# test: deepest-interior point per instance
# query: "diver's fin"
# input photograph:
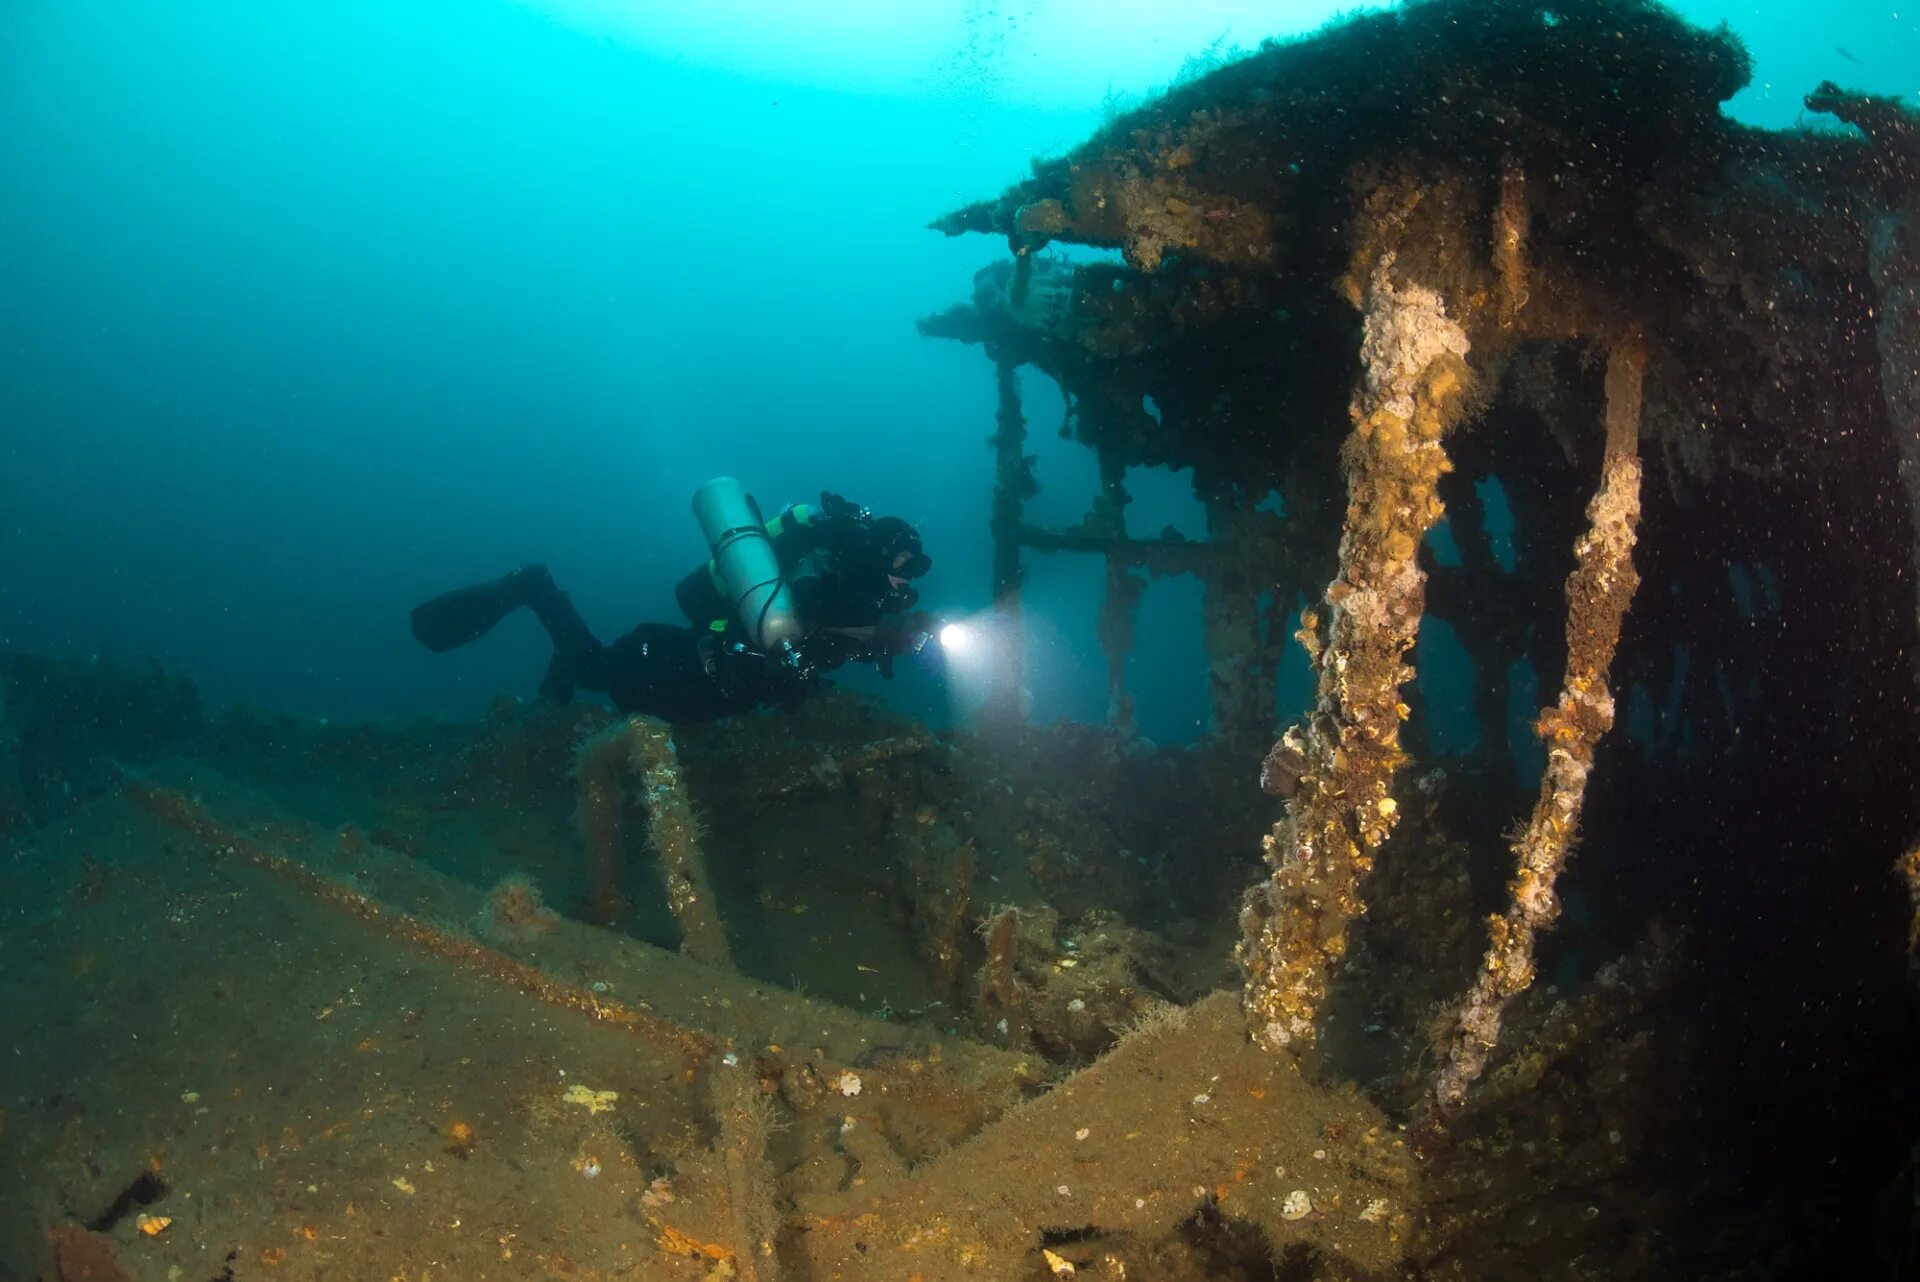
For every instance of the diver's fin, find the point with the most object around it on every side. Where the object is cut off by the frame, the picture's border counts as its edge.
(454, 618)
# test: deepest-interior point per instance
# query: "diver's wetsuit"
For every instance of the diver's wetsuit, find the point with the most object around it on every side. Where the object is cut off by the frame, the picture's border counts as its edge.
(675, 673)
(697, 673)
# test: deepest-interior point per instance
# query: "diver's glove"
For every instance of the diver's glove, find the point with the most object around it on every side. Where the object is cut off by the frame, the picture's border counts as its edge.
(839, 510)
(909, 634)
(931, 657)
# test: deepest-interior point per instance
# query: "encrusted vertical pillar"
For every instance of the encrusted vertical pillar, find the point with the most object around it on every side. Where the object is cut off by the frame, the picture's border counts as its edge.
(1013, 484)
(1599, 591)
(1510, 219)
(1338, 769)
(642, 749)
(1000, 1014)
(937, 875)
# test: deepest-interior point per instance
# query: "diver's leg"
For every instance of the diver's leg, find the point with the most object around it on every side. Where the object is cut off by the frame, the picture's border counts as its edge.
(554, 609)
(575, 649)
(454, 618)
(465, 614)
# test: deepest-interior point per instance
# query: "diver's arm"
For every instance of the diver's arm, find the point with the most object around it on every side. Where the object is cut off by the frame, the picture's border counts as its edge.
(796, 531)
(804, 528)
(878, 643)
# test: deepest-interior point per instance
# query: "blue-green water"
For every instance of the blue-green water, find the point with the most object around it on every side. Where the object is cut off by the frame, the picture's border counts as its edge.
(314, 308)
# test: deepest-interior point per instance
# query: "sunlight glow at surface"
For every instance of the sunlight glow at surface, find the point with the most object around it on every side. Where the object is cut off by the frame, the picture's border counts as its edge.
(1081, 53)
(1070, 53)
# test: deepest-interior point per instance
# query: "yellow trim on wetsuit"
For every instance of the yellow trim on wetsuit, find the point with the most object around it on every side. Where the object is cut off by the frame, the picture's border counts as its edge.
(795, 517)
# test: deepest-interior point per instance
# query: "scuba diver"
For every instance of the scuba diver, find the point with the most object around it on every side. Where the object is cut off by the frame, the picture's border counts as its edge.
(778, 603)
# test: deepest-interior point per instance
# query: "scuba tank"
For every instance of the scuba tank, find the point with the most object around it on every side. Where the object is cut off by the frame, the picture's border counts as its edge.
(749, 570)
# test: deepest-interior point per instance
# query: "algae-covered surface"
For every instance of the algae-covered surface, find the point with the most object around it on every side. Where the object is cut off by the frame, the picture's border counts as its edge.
(266, 1044)
(309, 1097)
(255, 1041)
